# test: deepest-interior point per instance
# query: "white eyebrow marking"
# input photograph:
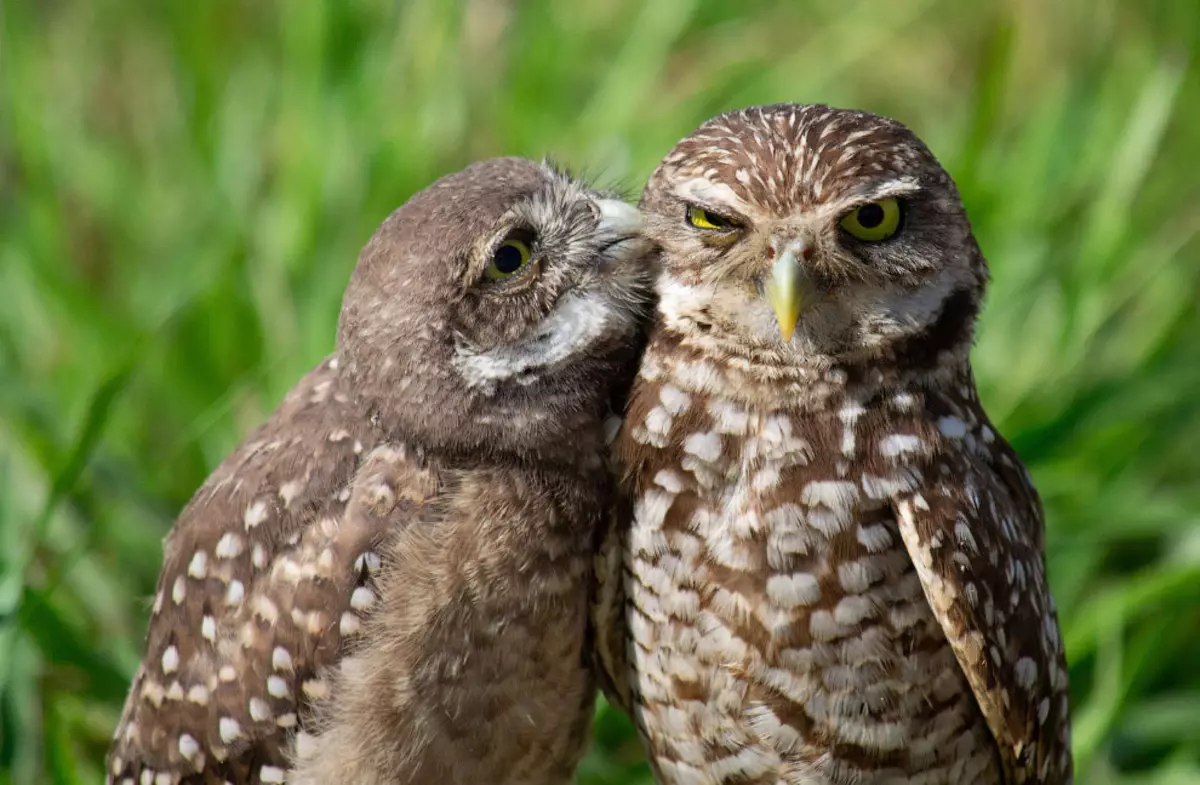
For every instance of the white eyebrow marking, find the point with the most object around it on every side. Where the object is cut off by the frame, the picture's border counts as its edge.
(888, 188)
(705, 191)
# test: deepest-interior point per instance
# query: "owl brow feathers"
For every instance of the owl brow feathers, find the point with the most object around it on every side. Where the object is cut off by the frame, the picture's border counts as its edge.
(715, 195)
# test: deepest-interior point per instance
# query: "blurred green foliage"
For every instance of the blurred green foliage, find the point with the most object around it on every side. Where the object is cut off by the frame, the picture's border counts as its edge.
(184, 188)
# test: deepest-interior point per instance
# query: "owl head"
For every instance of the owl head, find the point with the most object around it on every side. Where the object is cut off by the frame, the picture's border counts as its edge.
(816, 236)
(497, 310)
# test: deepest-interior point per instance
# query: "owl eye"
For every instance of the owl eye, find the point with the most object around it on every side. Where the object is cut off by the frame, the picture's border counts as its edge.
(703, 219)
(510, 258)
(873, 222)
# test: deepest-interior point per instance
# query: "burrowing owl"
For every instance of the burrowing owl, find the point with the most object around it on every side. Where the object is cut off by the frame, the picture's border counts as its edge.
(387, 583)
(835, 571)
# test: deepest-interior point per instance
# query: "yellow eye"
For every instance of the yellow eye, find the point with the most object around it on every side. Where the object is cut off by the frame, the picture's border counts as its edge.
(873, 222)
(703, 219)
(510, 258)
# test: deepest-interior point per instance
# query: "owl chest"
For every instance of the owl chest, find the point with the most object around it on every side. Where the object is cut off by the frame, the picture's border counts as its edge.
(776, 607)
(778, 560)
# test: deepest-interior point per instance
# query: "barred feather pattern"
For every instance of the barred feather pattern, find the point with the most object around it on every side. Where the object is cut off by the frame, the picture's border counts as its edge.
(844, 586)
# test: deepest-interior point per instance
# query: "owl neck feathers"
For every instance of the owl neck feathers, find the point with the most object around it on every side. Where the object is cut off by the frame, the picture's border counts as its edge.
(427, 406)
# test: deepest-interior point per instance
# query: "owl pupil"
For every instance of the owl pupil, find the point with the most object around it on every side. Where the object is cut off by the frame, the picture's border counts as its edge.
(507, 259)
(870, 216)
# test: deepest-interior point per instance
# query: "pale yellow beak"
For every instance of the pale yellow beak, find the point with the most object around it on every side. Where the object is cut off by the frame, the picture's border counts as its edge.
(787, 290)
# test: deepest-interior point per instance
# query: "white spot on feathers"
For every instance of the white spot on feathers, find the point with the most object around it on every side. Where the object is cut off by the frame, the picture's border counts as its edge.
(198, 567)
(849, 416)
(370, 560)
(188, 746)
(277, 687)
(229, 546)
(669, 481)
(316, 689)
(265, 609)
(281, 659)
(791, 591)
(875, 537)
(705, 446)
(362, 598)
(833, 494)
(1027, 672)
(651, 509)
(952, 427)
(230, 729)
(170, 659)
(235, 593)
(728, 418)
(658, 421)
(349, 624)
(260, 711)
(306, 744)
(289, 491)
(256, 513)
(853, 609)
(674, 400)
(898, 444)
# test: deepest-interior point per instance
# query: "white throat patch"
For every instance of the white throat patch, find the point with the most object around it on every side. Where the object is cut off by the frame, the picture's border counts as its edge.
(575, 324)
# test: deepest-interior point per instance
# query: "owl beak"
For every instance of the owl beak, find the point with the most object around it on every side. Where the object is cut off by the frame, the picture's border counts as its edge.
(618, 220)
(788, 287)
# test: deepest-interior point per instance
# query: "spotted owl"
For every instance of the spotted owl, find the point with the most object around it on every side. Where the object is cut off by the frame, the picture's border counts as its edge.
(388, 581)
(831, 566)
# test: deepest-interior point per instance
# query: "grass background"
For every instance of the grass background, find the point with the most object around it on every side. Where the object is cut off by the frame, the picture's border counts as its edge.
(184, 188)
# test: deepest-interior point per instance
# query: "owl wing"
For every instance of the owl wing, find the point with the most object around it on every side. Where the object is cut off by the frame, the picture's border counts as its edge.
(975, 531)
(264, 576)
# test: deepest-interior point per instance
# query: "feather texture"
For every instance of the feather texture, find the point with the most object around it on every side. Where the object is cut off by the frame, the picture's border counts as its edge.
(387, 583)
(830, 563)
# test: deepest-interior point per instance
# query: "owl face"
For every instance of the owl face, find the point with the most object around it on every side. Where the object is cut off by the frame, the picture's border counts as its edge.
(810, 233)
(498, 307)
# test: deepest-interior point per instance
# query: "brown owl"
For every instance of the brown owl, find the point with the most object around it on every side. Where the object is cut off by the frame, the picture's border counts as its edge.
(834, 572)
(388, 582)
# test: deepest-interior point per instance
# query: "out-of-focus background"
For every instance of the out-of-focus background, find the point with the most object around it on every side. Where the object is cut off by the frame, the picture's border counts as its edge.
(184, 188)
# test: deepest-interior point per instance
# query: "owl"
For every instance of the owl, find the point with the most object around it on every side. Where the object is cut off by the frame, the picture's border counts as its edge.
(388, 581)
(831, 567)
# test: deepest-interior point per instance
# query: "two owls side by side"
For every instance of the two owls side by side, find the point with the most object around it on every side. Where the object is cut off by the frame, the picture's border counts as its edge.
(803, 556)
